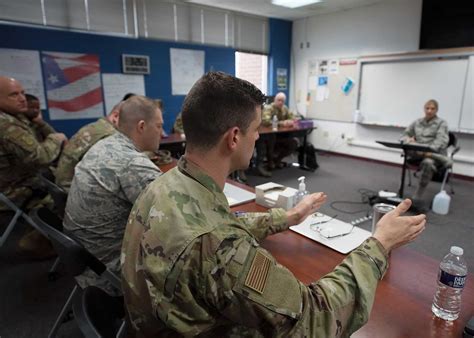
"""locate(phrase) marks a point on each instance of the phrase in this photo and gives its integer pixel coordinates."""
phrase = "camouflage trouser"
(430, 165)
(27, 198)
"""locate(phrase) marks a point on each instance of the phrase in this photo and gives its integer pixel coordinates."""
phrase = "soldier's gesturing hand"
(394, 230)
(306, 207)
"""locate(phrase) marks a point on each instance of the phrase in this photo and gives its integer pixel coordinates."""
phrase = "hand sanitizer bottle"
(302, 192)
(274, 122)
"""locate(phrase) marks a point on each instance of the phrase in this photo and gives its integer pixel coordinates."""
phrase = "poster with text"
(282, 78)
(73, 85)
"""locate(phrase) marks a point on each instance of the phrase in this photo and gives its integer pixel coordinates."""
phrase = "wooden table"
(403, 300)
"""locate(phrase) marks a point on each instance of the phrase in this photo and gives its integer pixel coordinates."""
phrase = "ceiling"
(267, 9)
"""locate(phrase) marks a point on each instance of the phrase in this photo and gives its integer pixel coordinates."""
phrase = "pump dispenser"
(302, 192)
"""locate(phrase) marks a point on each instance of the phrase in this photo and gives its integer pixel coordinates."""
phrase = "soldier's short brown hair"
(134, 109)
(215, 103)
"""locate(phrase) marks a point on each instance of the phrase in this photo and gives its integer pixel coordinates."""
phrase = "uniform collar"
(190, 169)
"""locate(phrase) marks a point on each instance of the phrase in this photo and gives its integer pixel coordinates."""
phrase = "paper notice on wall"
(312, 82)
(25, 66)
(282, 78)
(333, 67)
(323, 67)
(117, 85)
(187, 66)
(312, 67)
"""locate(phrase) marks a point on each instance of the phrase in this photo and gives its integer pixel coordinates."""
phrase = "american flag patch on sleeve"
(258, 273)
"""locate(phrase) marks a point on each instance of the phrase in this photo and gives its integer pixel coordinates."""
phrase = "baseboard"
(457, 176)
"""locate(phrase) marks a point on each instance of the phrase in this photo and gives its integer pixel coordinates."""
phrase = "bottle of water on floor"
(451, 278)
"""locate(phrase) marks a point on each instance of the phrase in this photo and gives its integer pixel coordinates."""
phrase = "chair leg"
(66, 308)
(122, 330)
(10, 227)
(409, 177)
(53, 271)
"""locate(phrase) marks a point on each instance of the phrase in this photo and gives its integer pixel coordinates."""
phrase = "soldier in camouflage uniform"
(431, 131)
(191, 267)
(33, 113)
(178, 125)
(21, 156)
(81, 142)
(275, 148)
(108, 180)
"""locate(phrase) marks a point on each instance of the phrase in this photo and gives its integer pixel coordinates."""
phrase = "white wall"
(391, 26)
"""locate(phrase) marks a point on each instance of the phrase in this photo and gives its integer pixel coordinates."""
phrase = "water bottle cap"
(455, 250)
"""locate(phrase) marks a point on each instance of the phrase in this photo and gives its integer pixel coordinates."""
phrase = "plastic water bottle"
(451, 278)
(275, 122)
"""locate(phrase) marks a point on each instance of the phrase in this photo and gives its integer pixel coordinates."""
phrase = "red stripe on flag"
(87, 58)
(76, 73)
(79, 103)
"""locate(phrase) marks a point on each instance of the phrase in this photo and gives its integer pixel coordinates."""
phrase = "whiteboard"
(467, 116)
(24, 65)
(329, 102)
(394, 92)
(187, 66)
(117, 85)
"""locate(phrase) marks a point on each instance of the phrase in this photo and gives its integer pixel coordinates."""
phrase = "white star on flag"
(53, 79)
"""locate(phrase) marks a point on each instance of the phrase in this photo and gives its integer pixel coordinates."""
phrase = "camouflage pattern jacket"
(42, 129)
(178, 125)
(433, 133)
(270, 110)
(106, 183)
(191, 267)
(77, 146)
(21, 155)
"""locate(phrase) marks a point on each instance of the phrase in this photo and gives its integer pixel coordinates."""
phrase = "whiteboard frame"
(407, 58)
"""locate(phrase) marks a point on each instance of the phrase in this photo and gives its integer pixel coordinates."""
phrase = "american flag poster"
(73, 85)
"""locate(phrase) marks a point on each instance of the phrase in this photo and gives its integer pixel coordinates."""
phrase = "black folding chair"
(98, 314)
(73, 255)
(58, 194)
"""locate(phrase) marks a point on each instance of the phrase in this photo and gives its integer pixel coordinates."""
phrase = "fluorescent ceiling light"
(294, 3)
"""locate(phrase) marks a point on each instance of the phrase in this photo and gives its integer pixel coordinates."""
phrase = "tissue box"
(274, 195)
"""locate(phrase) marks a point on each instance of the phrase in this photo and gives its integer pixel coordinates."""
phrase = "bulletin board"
(332, 89)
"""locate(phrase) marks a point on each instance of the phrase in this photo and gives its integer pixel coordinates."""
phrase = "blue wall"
(280, 53)
(158, 83)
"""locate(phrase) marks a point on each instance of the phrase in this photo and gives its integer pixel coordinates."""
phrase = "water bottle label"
(452, 280)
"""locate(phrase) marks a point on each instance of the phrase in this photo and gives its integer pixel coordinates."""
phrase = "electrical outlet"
(325, 134)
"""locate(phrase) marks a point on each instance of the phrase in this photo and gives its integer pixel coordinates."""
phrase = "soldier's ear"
(232, 138)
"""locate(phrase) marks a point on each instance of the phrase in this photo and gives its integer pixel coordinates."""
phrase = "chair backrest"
(58, 194)
(453, 141)
(72, 253)
(98, 314)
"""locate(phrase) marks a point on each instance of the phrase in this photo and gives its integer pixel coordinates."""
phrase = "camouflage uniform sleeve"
(288, 114)
(409, 131)
(44, 128)
(267, 116)
(245, 284)
(263, 224)
(137, 175)
(442, 137)
(24, 144)
(178, 125)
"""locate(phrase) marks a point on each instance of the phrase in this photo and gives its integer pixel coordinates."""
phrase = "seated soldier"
(107, 181)
(178, 125)
(33, 113)
(21, 157)
(432, 131)
(275, 148)
(192, 267)
(81, 142)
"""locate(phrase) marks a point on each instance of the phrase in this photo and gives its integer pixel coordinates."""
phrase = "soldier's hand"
(309, 205)
(59, 136)
(394, 230)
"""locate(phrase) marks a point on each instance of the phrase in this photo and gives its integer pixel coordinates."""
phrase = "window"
(253, 68)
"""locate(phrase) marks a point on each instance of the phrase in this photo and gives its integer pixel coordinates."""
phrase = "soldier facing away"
(191, 267)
